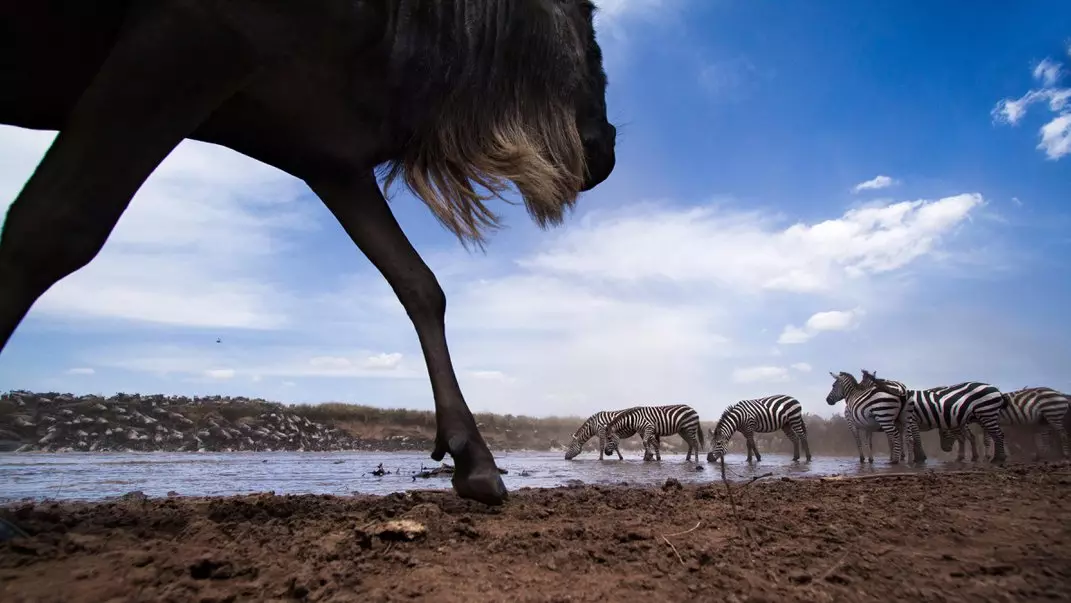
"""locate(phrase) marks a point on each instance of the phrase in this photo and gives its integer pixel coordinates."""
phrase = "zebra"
(763, 415)
(951, 408)
(653, 422)
(960, 436)
(1040, 406)
(595, 426)
(871, 409)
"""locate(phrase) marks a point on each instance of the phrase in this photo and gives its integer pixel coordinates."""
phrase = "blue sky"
(800, 187)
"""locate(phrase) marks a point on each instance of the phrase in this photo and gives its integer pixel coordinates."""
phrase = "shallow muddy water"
(93, 476)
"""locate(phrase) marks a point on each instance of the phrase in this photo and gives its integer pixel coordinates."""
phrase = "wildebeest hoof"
(482, 484)
(476, 476)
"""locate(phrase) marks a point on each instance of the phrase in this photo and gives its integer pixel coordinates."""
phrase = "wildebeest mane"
(485, 91)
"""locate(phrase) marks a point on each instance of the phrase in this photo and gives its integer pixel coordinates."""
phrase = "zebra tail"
(1005, 401)
(702, 443)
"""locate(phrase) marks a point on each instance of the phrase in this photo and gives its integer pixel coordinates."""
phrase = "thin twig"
(732, 507)
(686, 531)
(679, 558)
(835, 566)
(757, 478)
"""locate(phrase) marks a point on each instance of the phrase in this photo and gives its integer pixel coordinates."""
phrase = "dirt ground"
(998, 535)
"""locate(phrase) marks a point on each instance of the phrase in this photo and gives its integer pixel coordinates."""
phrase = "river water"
(94, 476)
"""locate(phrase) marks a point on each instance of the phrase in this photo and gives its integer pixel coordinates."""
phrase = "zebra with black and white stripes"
(654, 422)
(595, 425)
(871, 409)
(1042, 407)
(962, 436)
(761, 415)
(951, 408)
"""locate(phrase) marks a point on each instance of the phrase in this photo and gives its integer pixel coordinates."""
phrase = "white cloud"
(1047, 72)
(746, 252)
(1055, 135)
(833, 320)
(802, 367)
(875, 183)
(193, 249)
(729, 78)
(219, 373)
(760, 374)
(81, 371)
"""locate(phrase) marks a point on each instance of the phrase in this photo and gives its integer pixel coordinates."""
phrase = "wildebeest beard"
(488, 96)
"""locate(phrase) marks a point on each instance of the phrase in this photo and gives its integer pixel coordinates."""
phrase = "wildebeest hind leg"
(165, 75)
(358, 204)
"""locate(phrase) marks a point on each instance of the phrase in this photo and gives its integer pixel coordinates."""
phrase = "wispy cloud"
(833, 320)
(81, 371)
(876, 183)
(1055, 134)
(756, 374)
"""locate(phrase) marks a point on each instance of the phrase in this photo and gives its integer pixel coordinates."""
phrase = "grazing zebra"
(871, 409)
(961, 435)
(1037, 406)
(653, 422)
(951, 408)
(594, 426)
(762, 415)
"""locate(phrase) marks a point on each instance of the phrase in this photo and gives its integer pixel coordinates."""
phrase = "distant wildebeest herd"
(872, 404)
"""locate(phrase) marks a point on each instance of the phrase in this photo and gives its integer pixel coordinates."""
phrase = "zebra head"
(948, 439)
(574, 447)
(717, 448)
(719, 436)
(843, 384)
(611, 444)
(869, 379)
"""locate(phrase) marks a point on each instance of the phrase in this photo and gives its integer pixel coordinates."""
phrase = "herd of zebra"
(872, 404)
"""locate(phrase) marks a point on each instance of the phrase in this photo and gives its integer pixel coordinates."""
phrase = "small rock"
(172, 494)
(135, 495)
(400, 530)
(672, 483)
(800, 578)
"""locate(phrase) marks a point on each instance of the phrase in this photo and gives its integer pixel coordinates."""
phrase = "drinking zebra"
(960, 436)
(594, 426)
(762, 415)
(1037, 406)
(871, 409)
(951, 408)
(653, 422)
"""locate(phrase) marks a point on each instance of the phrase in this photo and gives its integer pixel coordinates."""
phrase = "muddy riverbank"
(996, 534)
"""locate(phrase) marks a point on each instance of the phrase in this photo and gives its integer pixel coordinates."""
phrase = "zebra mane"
(721, 420)
(621, 415)
(588, 427)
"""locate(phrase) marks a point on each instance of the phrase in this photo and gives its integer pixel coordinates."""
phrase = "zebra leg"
(802, 435)
(992, 427)
(892, 432)
(795, 442)
(858, 441)
(1042, 443)
(602, 446)
(969, 435)
(915, 437)
(1064, 438)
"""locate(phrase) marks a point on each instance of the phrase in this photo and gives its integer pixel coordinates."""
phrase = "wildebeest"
(455, 98)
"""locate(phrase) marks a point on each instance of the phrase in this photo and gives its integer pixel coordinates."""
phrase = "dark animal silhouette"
(457, 99)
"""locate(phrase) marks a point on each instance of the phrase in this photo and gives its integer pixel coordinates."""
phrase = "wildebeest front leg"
(168, 71)
(360, 208)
